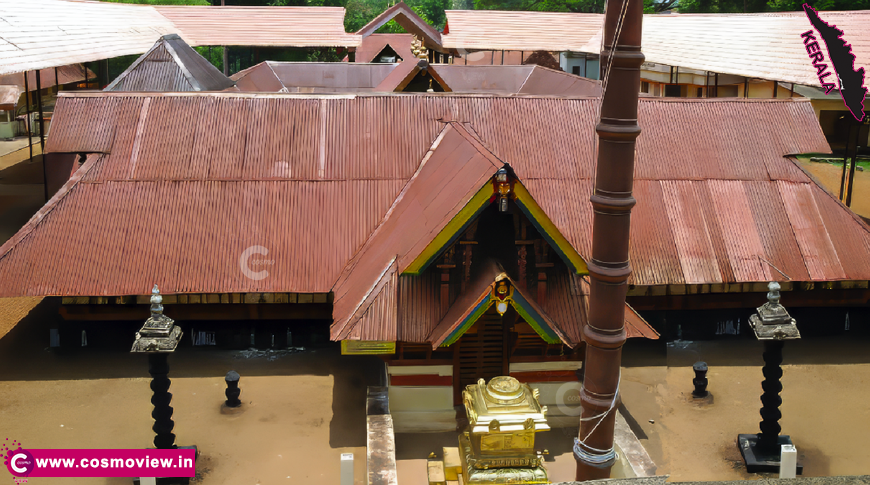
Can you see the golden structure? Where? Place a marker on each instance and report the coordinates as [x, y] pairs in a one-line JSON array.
[[499, 445], [417, 48]]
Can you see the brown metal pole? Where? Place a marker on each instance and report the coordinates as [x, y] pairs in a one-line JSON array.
[[41, 134], [609, 268], [27, 116]]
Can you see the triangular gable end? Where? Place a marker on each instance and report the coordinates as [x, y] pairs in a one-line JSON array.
[[448, 177], [476, 205], [410, 21], [480, 296]]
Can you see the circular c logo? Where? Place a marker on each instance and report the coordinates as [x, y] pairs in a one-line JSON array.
[[246, 268], [21, 463], [568, 399]]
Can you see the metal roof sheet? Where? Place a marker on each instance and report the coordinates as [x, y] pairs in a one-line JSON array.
[[271, 167], [170, 65], [260, 26], [350, 77], [452, 171], [757, 45], [763, 45], [38, 34], [520, 31]]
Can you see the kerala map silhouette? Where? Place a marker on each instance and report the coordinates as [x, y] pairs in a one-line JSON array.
[[851, 80]]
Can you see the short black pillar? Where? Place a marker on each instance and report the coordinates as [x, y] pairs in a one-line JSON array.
[[700, 380], [233, 390]]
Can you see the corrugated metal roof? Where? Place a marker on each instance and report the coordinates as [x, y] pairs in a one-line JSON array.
[[261, 26], [766, 45], [757, 45], [568, 304], [350, 77], [170, 65], [270, 168], [453, 170], [520, 31], [37, 34]]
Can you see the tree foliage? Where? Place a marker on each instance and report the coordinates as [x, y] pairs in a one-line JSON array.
[[749, 6]]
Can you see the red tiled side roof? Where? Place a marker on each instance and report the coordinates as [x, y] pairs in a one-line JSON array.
[[188, 181]]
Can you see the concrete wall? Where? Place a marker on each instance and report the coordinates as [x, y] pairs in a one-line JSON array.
[[421, 408]]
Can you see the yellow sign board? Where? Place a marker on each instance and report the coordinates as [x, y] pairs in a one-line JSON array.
[[367, 347]]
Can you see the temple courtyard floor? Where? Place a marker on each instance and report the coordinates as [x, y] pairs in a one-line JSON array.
[[302, 410]]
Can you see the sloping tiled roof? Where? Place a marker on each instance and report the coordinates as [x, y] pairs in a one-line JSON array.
[[170, 65], [181, 184]]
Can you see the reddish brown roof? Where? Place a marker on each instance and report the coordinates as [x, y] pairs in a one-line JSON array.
[[310, 177], [344, 77], [312, 77], [453, 170]]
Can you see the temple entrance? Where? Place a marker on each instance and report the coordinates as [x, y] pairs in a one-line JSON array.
[[482, 351]]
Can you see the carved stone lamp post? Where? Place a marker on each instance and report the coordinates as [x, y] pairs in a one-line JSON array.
[[773, 325], [158, 338]]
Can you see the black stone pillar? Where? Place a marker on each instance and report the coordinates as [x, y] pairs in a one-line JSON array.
[[233, 390], [768, 439], [700, 380], [158, 367]]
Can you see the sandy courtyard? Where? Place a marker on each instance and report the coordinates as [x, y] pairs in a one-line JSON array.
[[303, 410]]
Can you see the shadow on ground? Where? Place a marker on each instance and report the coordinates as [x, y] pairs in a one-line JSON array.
[[24, 356]]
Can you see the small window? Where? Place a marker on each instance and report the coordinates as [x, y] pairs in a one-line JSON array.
[[700, 92], [672, 91], [575, 70], [644, 87]]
